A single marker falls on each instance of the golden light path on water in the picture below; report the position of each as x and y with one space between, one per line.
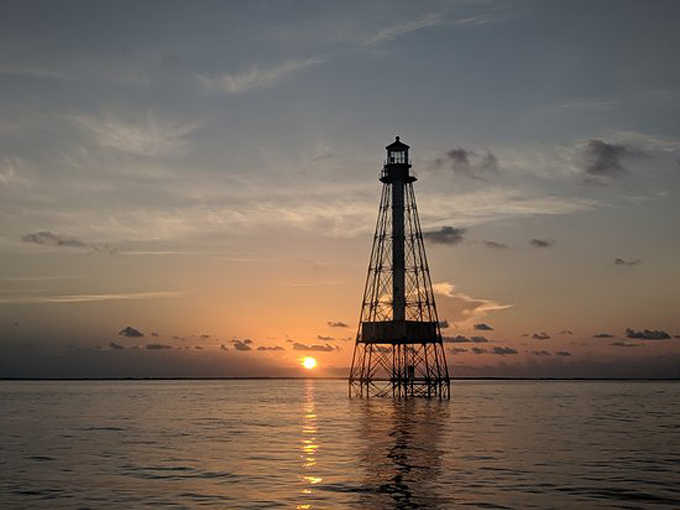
309 446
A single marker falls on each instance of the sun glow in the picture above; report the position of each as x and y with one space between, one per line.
309 363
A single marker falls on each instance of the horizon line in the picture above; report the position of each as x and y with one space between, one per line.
324 378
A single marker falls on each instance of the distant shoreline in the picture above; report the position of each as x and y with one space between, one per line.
291 378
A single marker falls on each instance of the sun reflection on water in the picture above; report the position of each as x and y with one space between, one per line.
309 446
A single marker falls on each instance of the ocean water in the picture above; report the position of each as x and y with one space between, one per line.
303 444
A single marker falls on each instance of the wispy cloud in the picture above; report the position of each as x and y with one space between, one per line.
256 77
87 298
145 135
487 205
466 309
399 29
12 172
452 18
586 105
35 72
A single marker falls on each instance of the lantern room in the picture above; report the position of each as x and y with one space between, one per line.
397 153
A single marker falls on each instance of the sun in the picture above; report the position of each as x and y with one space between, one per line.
309 363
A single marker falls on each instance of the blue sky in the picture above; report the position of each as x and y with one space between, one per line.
207 171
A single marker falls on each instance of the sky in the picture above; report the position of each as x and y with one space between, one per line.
190 188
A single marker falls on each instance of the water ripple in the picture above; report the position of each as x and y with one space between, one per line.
303 444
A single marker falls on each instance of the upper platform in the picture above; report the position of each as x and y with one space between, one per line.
399 332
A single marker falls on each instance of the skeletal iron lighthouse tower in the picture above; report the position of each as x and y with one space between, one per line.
399 350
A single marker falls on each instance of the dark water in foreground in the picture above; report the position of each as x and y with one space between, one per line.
304 444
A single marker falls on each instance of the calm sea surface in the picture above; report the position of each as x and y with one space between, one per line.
303 444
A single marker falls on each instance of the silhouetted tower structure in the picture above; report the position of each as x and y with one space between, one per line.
398 350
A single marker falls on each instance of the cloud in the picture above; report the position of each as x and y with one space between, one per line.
541 243
158 347
468 163
563 353
459 339
566 332
586 105
131 332
224 347
457 350
50 239
446 235
89 298
494 245
270 348
46 238
602 159
36 73
115 346
624 344
603 335
647 334
144 135
255 77
303 347
444 324
540 353
338 324
397 30
540 336
465 307
242 345
478 350
482 327
502 351
325 338
624 262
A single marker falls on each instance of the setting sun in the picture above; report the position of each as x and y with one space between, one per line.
309 363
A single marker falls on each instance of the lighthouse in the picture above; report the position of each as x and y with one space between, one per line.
398 350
